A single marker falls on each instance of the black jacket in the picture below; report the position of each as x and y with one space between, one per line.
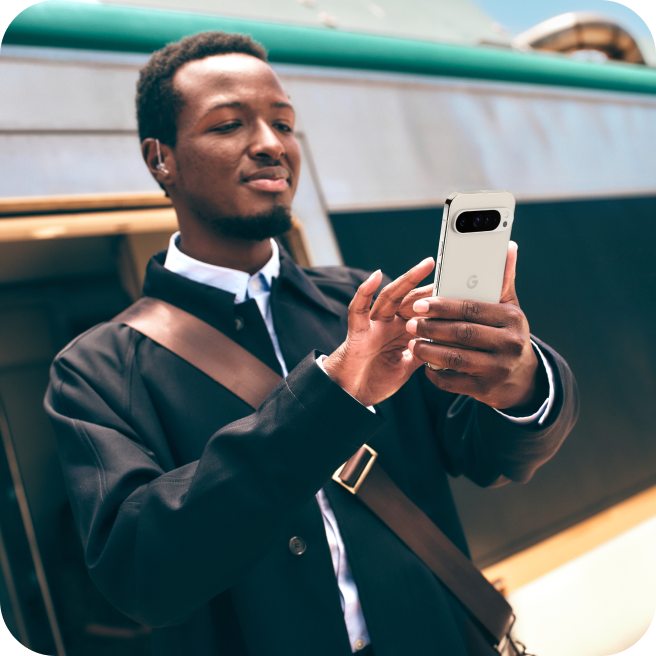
186 501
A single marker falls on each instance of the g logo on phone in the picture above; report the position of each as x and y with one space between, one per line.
472 281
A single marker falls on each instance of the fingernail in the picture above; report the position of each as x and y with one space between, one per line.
411 345
373 275
411 326
421 306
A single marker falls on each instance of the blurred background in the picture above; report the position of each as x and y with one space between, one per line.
400 103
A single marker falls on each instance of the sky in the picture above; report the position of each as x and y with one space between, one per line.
518 15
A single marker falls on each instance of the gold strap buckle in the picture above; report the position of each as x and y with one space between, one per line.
355 469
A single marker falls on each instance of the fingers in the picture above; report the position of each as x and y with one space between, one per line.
491 314
449 357
478 312
390 298
359 307
469 335
406 310
456 382
500 384
508 294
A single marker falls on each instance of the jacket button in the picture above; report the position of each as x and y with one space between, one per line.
297 546
239 323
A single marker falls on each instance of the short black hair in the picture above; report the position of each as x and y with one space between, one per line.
158 103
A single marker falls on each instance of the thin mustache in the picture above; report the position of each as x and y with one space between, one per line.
263 164
271 164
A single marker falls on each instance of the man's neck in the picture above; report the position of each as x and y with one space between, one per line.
229 252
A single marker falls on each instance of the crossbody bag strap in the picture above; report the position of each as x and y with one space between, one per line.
233 367
366 479
202 346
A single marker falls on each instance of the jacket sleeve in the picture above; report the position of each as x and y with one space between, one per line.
160 542
478 442
475 440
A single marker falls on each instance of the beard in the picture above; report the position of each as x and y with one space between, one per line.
254 227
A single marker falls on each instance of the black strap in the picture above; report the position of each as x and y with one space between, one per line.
233 367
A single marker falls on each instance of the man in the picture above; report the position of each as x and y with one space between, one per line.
221 528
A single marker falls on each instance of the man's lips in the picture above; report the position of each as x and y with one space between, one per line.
270 178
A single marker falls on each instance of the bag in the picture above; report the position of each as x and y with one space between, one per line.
233 367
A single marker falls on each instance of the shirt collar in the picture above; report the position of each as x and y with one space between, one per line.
239 283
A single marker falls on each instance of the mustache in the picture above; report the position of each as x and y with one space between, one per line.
264 163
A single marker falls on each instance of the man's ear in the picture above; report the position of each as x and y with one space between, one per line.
159 160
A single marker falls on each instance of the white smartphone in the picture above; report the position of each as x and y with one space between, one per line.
471 257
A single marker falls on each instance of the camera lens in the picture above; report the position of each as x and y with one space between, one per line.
478 221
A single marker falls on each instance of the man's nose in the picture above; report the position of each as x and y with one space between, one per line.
266 143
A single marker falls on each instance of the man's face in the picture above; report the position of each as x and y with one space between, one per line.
236 154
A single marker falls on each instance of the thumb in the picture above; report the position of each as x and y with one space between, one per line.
508 293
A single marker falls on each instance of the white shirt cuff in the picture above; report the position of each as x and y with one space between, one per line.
543 412
320 360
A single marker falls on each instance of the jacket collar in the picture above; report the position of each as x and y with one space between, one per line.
216 306
294 275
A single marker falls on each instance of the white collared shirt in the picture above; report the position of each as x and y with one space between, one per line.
258 286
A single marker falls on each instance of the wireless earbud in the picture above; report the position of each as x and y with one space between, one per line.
160 164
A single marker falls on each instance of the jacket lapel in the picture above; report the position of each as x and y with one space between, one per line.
304 319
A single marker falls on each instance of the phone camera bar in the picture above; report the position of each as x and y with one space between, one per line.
478 221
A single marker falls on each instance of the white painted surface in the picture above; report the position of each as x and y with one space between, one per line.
378 140
67 95
75 163
395 142
598 604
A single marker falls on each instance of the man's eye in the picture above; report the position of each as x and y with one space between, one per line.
283 127
227 127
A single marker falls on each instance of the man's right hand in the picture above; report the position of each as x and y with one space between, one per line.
374 360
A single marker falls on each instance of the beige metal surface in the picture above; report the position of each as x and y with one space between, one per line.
88 224
27 205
